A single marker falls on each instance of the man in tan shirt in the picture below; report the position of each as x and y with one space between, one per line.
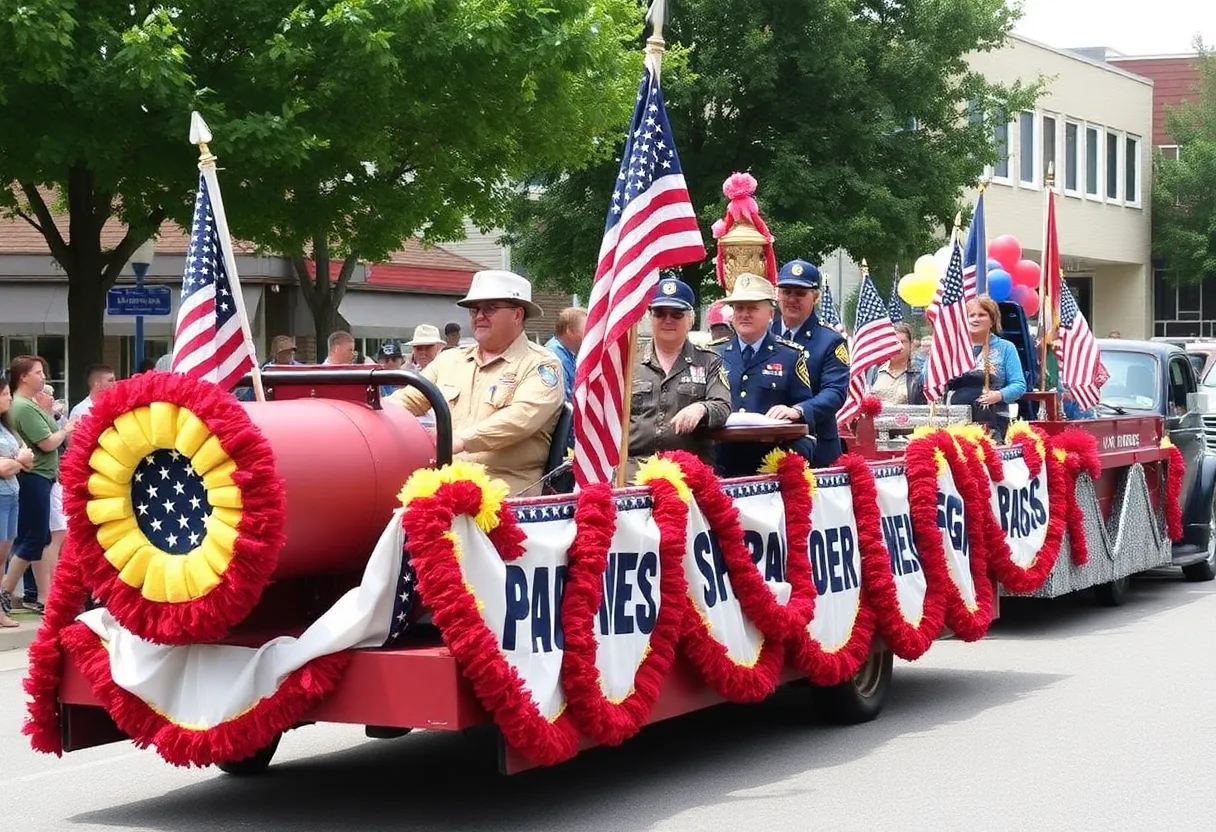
504 392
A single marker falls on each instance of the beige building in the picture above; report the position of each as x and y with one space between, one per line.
1093 122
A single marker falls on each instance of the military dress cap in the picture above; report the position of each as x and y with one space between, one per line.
673 293
799 273
751 288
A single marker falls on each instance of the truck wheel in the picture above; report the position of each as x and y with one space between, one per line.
1205 570
1113 594
252 765
861 698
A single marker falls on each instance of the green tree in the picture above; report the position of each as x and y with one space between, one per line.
342 127
859 118
1184 189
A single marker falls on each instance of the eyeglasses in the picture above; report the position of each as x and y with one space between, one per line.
487 309
674 314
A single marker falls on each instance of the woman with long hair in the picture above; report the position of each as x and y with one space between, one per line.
897 381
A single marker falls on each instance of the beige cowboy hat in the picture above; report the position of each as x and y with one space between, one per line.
751 288
496 284
425 335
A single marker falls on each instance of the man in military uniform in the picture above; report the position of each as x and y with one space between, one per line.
767 375
679 389
827 353
504 391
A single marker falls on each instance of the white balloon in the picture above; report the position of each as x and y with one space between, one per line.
942 257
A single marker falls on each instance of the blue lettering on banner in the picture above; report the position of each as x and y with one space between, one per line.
772 553
1021 509
619 613
950 518
832 559
707 552
542 611
901 544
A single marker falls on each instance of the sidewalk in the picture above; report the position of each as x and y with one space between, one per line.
21 637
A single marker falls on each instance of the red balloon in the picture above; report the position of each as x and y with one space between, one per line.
1006 250
1026 298
1026 273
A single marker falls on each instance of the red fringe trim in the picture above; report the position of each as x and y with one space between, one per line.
1081 455
906 640
230 741
1000 558
604 721
921 467
1173 493
261 532
454 611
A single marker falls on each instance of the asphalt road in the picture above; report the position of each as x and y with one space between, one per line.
1067 716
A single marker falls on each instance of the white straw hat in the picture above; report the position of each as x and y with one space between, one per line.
496 284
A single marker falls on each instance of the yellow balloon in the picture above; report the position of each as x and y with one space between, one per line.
917 289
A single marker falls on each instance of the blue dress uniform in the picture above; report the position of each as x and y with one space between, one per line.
760 377
827 360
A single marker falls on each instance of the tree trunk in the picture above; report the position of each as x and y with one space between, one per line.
322 296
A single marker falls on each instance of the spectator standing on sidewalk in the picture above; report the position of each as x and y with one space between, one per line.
15 458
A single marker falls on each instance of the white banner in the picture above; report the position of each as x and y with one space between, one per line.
952 521
835 563
1019 504
910 583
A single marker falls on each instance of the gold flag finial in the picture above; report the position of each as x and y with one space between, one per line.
865 268
200 134
1051 174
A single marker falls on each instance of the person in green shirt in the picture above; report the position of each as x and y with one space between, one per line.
35 427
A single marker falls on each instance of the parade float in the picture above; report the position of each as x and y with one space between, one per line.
234 570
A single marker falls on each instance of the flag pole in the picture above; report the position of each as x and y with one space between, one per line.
655 47
1044 282
200 134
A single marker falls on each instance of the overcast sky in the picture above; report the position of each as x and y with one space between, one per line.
1133 27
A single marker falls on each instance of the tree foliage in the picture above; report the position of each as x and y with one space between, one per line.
859 118
1184 189
342 127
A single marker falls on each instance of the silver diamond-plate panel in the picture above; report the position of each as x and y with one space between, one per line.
1129 542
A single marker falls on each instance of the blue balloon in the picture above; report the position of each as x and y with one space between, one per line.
994 265
1000 285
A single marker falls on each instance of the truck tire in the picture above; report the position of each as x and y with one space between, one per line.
1113 594
1205 570
253 765
861 698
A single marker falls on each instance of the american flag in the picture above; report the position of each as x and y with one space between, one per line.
210 341
651 226
975 261
950 351
170 501
829 315
1081 365
1052 277
895 305
874 341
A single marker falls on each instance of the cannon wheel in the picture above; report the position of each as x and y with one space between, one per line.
861 698
1113 594
1205 570
253 765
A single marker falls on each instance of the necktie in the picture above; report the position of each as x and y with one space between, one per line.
748 354
789 335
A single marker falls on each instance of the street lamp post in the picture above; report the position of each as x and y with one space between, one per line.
141 261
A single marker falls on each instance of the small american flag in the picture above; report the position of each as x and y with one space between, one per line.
209 342
829 315
975 261
1081 367
895 304
874 341
950 351
651 226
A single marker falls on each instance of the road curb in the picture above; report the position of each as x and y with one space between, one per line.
21 637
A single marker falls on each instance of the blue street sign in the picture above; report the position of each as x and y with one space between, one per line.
129 301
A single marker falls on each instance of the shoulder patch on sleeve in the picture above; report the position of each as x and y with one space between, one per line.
723 377
842 353
548 375
800 369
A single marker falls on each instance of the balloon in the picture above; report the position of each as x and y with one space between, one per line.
1026 298
942 258
1026 273
926 266
1000 285
1005 250
917 289
993 264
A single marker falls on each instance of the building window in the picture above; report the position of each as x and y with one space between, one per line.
53 348
1000 136
1048 147
1072 158
1026 149
1093 161
1112 166
154 348
1168 151
1131 170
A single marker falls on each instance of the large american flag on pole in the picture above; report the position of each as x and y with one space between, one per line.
210 341
874 341
651 226
950 350
1081 367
